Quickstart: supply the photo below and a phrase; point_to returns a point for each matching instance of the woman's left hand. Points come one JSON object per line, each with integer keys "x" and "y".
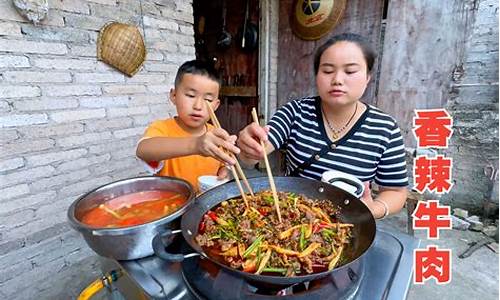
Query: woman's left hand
{"x": 367, "y": 196}
{"x": 389, "y": 200}
{"x": 374, "y": 207}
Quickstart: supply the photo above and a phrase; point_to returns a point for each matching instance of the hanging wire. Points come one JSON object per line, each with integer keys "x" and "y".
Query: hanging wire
{"x": 142, "y": 24}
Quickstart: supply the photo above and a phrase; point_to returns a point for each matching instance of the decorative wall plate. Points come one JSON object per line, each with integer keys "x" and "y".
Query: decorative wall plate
{"x": 312, "y": 19}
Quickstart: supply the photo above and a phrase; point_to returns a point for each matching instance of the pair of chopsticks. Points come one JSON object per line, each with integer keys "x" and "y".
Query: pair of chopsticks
{"x": 238, "y": 168}
{"x": 268, "y": 169}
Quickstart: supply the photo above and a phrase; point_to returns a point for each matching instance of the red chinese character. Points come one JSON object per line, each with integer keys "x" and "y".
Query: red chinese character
{"x": 433, "y": 128}
{"x": 432, "y": 174}
{"x": 441, "y": 174}
{"x": 432, "y": 262}
{"x": 421, "y": 173}
{"x": 431, "y": 216}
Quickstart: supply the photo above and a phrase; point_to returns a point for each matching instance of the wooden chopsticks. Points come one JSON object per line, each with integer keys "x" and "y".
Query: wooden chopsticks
{"x": 268, "y": 168}
{"x": 238, "y": 168}
{"x": 245, "y": 180}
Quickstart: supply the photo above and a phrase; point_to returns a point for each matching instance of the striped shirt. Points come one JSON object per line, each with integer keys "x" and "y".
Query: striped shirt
{"x": 372, "y": 150}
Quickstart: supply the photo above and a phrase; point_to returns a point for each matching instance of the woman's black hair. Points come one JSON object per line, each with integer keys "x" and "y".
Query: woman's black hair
{"x": 197, "y": 67}
{"x": 367, "y": 49}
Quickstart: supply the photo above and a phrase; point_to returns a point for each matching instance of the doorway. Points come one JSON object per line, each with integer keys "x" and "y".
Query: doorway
{"x": 219, "y": 27}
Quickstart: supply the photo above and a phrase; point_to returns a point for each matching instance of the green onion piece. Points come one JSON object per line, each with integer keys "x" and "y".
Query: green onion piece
{"x": 275, "y": 270}
{"x": 258, "y": 256}
{"x": 327, "y": 234}
{"x": 252, "y": 247}
{"x": 227, "y": 234}
{"x": 214, "y": 237}
{"x": 328, "y": 231}
{"x": 268, "y": 199}
{"x": 302, "y": 239}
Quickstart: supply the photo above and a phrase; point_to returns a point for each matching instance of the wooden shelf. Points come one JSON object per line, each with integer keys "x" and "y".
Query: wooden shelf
{"x": 239, "y": 91}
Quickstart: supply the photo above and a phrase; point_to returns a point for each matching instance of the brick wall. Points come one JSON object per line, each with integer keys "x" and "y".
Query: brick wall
{"x": 69, "y": 124}
{"x": 474, "y": 107}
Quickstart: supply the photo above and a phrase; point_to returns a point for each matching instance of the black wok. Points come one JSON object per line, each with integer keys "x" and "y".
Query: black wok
{"x": 352, "y": 211}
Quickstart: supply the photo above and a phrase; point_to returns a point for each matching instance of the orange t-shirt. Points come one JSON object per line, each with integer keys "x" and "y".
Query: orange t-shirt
{"x": 186, "y": 167}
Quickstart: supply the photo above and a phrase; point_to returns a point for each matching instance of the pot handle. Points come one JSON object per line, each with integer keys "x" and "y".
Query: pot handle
{"x": 159, "y": 247}
{"x": 103, "y": 232}
{"x": 360, "y": 188}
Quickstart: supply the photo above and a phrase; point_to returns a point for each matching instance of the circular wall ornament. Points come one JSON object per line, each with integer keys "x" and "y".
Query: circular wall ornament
{"x": 312, "y": 19}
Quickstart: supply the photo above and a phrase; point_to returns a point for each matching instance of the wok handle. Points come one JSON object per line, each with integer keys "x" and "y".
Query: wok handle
{"x": 359, "y": 187}
{"x": 159, "y": 247}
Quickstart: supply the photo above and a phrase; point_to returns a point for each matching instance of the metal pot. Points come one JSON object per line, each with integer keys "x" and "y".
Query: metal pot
{"x": 352, "y": 211}
{"x": 131, "y": 242}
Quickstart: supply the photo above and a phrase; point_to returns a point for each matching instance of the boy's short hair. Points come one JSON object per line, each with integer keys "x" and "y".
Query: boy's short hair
{"x": 197, "y": 67}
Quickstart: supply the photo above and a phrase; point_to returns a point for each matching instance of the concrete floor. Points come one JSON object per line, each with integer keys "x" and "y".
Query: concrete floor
{"x": 475, "y": 277}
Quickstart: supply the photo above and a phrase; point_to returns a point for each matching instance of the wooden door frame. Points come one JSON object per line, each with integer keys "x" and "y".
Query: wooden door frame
{"x": 264, "y": 72}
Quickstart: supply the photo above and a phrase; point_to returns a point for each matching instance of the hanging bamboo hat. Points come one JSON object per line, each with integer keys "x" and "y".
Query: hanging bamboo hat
{"x": 312, "y": 19}
{"x": 122, "y": 47}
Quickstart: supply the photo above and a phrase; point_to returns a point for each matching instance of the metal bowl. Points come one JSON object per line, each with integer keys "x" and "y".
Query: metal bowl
{"x": 126, "y": 243}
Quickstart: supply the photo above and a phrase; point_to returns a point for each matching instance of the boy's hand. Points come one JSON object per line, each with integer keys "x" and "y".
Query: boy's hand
{"x": 222, "y": 173}
{"x": 213, "y": 144}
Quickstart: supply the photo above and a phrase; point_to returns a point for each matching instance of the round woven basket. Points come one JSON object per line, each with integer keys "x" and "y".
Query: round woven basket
{"x": 122, "y": 47}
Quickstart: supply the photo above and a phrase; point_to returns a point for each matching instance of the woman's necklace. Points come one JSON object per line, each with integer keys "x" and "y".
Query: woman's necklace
{"x": 336, "y": 133}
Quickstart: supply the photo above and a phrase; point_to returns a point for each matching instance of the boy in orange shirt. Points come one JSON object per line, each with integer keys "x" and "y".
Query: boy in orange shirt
{"x": 186, "y": 146}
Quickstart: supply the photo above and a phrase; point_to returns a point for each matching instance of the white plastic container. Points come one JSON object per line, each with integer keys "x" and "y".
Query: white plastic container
{"x": 207, "y": 182}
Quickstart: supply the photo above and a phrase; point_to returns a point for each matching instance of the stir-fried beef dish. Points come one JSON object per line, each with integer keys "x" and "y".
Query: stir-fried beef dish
{"x": 309, "y": 239}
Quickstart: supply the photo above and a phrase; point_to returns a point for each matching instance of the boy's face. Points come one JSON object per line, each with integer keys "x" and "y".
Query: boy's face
{"x": 190, "y": 98}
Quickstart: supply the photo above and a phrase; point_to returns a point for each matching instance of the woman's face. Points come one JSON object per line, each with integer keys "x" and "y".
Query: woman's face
{"x": 342, "y": 74}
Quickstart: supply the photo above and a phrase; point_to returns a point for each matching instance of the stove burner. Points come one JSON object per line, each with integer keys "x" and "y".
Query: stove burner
{"x": 203, "y": 277}
{"x": 384, "y": 272}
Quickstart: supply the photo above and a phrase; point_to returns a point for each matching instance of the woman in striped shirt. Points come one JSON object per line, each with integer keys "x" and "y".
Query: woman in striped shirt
{"x": 335, "y": 130}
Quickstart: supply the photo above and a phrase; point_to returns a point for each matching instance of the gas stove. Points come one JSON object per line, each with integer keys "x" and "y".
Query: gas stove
{"x": 384, "y": 272}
